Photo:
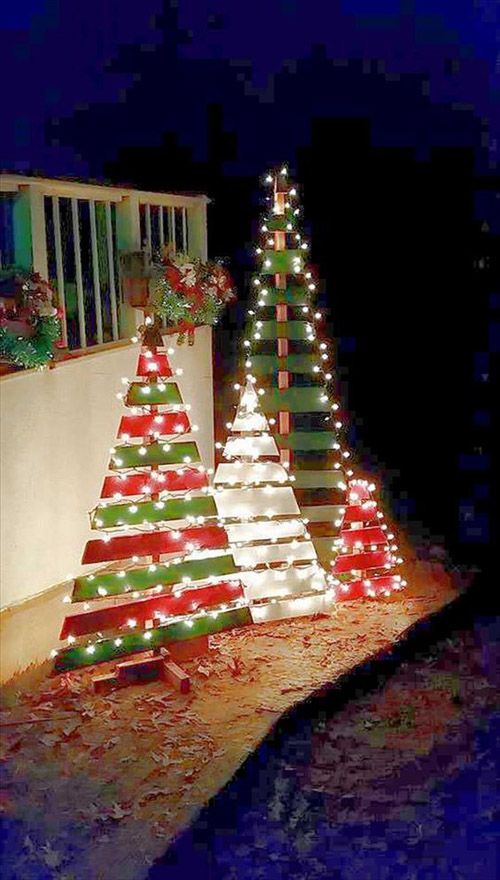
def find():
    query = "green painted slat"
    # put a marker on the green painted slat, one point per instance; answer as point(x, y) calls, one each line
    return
point(175, 453)
point(322, 512)
point(294, 400)
point(282, 261)
point(279, 222)
point(134, 642)
point(306, 440)
point(294, 330)
point(294, 296)
point(153, 511)
point(323, 547)
point(168, 394)
point(318, 479)
point(144, 578)
point(265, 364)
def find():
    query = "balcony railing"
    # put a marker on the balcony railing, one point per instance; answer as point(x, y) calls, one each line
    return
point(72, 233)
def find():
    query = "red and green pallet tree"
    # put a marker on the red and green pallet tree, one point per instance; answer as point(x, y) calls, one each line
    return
point(283, 349)
point(169, 574)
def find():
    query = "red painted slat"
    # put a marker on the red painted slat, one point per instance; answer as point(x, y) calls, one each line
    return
point(358, 493)
point(143, 484)
point(148, 609)
point(357, 513)
point(360, 561)
point(157, 365)
point(357, 588)
point(369, 535)
point(145, 426)
point(154, 544)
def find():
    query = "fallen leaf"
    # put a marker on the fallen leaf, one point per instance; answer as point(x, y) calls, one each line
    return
point(71, 727)
point(51, 857)
point(116, 812)
point(49, 739)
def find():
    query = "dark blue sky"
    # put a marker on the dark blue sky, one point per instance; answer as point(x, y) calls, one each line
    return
point(63, 60)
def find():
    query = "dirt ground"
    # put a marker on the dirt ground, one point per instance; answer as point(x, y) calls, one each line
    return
point(95, 787)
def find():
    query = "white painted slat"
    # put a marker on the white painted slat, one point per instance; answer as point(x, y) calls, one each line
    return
point(253, 421)
point(246, 532)
point(111, 269)
point(250, 556)
point(256, 502)
point(78, 273)
point(257, 472)
point(298, 607)
point(255, 446)
point(271, 583)
point(56, 215)
point(95, 273)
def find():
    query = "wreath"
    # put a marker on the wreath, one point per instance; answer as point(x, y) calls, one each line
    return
point(187, 293)
point(29, 323)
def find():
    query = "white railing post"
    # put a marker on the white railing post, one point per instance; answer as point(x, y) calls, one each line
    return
point(197, 231)
point(61, 296)
point(128, 238)
point(95, 273)
point(30, 240)
point(80, 299)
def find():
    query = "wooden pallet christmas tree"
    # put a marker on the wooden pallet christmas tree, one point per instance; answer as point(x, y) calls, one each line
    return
point(169, 574)
point(366, 558)
point(270, 542)
point(283, 350)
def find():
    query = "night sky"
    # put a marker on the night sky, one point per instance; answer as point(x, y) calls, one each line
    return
point(388, 114)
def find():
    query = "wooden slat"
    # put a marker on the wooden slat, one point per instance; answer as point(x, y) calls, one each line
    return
point(139, 395)
point(295, 400)
point(156, 365)
point(144, 483)
point(116, 616)
point(175, 453)
point(140, 512)
point(134, 642)
point(168, 574)
point(323, 479)
point(155, 544)
point(360, 561)
point(368, 535)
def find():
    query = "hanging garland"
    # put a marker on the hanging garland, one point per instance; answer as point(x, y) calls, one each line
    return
point(29, 323)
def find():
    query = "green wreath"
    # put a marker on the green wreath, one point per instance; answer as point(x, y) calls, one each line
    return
point(34, 351)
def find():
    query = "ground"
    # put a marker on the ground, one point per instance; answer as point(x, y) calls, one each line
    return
point(96, 787)
point(395, 775)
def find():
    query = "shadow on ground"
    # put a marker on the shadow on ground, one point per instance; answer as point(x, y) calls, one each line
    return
point(394, 772)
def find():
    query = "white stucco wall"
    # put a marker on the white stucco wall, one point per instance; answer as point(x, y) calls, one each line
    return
point(56, 430)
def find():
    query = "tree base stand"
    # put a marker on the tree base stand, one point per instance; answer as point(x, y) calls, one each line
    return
point(150, 666)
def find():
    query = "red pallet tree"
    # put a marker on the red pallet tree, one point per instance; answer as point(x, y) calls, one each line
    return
point(367, 557)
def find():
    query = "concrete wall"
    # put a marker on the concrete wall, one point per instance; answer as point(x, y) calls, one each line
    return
point(56, 430)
